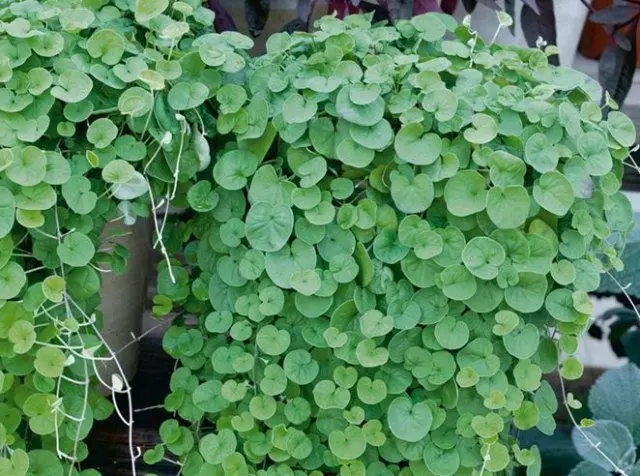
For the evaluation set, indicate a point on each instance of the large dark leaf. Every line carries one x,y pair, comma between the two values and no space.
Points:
510,8
615,14
631,343
295,25
469,5
536,26
449,6
622,40
424,6
533,5
617,66
223,21
256,13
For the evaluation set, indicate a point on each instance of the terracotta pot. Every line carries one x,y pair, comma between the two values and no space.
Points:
595,39
123,296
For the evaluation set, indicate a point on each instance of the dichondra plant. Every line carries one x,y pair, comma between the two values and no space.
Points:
389,236
97,118
393,245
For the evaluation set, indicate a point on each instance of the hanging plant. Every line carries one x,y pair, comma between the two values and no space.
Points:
101,111
393,246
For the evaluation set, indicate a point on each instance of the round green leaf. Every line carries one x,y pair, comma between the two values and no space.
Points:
12,279
554,193
102,132
146,10
7,211
76,249
412,195
49,362
415,147
29,166
106,44
408,421
508,207
484,129
465,193
528,294
541,154
483,256
522,342
185,95
135,102
72,86
269,226
214,448
621,128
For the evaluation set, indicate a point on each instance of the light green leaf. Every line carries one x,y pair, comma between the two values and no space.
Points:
146,10
409,421
484,129
415,147
187,95
554,193
465,193
107,44
76,249
508,207
72,86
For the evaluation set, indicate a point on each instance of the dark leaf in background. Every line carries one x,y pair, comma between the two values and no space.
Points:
256,13
596,332
543,25
510,8
305,9
469,5
533,5
616,332
295,25
379,9
622,40
223,21
615,14
617,66
449,6
399,8
342,7
424,6
631,342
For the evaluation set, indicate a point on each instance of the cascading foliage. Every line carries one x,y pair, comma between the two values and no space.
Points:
392,248
390,236
101,110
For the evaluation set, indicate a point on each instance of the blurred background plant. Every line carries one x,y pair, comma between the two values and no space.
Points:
612,28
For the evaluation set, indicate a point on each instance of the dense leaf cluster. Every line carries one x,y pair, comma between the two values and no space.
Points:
89,93
393,246
389,235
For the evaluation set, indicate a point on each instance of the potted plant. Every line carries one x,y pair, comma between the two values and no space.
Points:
89,140
377,267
